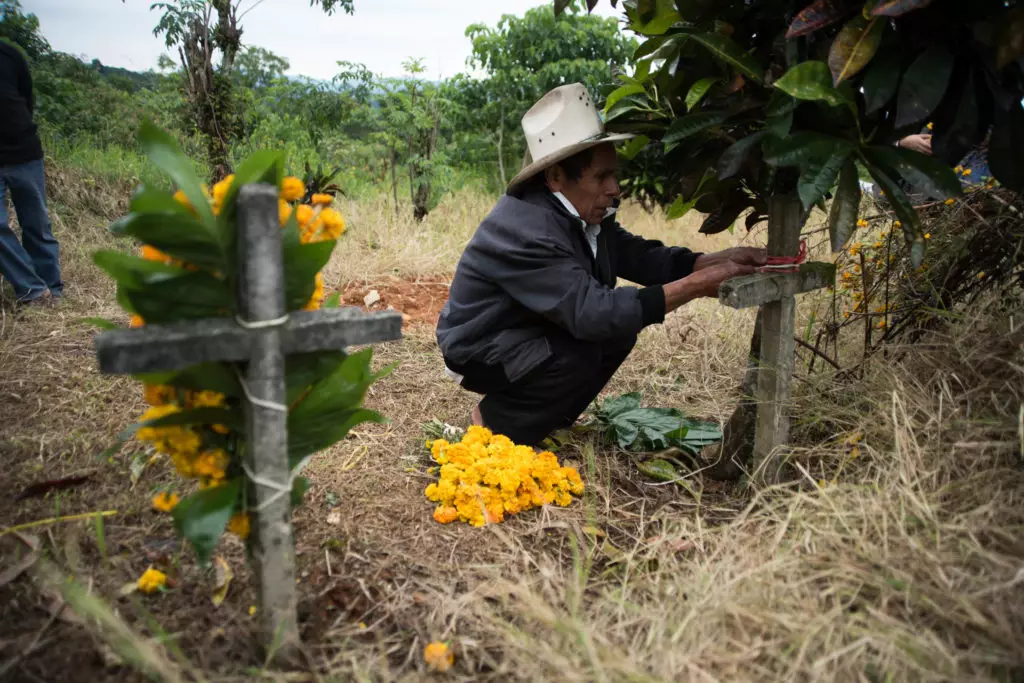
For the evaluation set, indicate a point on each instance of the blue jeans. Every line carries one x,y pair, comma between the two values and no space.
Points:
33,265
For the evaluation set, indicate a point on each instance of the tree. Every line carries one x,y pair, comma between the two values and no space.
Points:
201,31
526,56
21,29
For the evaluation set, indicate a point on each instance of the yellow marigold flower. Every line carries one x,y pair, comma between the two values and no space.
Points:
304,214
438,657
153,254
292,189
881,324
981,275
284,211
239,525
317,298
958,169
861,223
205,399
165,502
180,197
967,171
322,199
158,394
929,126
950,201
151,581
897,224
855,248
927,235
333,223
445,514
136,321
220,192
846,314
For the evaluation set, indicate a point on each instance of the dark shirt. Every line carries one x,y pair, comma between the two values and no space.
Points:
19,140
528,273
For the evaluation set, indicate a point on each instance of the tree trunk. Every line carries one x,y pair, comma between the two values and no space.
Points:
731,457
501,143
394,178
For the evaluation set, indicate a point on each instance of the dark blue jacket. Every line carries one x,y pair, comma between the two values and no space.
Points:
528,272
19,141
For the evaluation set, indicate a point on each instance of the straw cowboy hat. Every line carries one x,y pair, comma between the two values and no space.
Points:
562,123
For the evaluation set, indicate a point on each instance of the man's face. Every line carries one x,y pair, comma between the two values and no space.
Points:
597,187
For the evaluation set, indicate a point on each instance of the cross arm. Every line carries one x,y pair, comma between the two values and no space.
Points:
161,348
761,288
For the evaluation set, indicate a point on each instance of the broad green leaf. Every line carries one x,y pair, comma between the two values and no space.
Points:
303,370
133,271
332,301
924,173
1006,149
658,469
664,19
723,217
317,432
799,148
819,174
854,47
691,124
149,200
842,218
650,46
301,264
619,93
191,296
885,178
816,16
198,416
265,166
811,80
923,85
728,51
164,152
732,158
896,8
202,517
917,251
177,235
300,485
697,92
779,103
217,377
880,81
680,208
633,147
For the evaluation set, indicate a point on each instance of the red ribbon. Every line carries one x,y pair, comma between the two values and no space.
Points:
785,264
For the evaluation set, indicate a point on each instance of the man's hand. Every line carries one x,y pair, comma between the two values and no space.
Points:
744,256
917,143
704,283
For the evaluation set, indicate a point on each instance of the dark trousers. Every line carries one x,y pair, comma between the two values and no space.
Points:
549,397
32,265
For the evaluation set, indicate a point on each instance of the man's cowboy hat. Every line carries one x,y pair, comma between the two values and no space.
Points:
562,123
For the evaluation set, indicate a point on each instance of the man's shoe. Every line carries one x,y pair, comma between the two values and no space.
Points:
41,301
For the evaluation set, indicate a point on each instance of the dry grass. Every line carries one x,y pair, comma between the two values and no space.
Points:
908,567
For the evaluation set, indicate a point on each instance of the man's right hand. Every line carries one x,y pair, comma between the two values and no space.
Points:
702,283
917,143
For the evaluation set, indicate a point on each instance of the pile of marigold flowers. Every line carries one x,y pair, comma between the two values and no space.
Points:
485,476
198,451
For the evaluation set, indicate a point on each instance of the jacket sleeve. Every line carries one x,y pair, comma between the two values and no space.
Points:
25,83
544,276
649,262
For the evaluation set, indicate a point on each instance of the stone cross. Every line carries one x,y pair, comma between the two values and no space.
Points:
262,337
776,294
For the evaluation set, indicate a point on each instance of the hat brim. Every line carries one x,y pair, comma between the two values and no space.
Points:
544,162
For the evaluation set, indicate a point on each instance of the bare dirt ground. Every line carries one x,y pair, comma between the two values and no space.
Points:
904,564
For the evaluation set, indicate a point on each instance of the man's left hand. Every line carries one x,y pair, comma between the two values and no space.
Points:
744,256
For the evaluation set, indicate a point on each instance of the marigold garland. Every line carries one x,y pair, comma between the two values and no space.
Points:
485,476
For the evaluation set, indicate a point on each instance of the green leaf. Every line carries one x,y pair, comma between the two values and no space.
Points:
880,82
163,151
202,517
697,92
301,264
619,93
198,416
691,124
300,485
305,369
317,432
665,18
680,207
175,234
854,47
101,323
816,16
800,148
811,80
265,166
819,174
661,470
842,217
732,158
883,177
332,301
728,51
924,173
917,251
923,86
633,147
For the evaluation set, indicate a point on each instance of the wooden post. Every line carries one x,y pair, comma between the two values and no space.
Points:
777,346
261,301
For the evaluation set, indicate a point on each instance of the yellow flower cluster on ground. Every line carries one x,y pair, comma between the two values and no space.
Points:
485,476
151,581
438,657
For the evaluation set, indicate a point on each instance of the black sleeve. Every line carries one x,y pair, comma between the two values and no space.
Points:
25,84
649,262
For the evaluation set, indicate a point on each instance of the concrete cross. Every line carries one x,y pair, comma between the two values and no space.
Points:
262,338
775,293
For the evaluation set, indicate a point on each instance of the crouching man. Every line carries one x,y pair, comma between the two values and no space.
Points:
534,321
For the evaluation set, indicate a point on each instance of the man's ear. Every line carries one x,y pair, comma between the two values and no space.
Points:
555,178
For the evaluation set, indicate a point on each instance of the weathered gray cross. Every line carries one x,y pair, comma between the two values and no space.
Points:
776,294
262,338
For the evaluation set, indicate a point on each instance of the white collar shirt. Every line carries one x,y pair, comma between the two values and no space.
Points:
589,231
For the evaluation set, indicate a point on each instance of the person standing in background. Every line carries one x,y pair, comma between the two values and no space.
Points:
32,265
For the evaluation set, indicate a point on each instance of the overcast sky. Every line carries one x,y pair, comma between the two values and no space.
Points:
381,33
